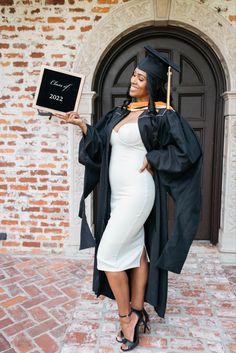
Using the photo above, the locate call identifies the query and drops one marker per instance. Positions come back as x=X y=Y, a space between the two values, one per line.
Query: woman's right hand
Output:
x=75 y=119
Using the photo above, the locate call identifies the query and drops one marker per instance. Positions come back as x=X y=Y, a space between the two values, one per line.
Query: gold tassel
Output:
x=169 y=73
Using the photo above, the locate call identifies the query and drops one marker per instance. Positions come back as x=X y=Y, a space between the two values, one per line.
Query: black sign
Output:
x=58 y=91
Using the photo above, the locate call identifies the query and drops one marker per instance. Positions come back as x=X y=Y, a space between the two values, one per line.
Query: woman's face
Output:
x=138 y=88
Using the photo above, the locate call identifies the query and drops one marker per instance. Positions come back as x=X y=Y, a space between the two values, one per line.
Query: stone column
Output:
x=227 y=234
x=76 y=175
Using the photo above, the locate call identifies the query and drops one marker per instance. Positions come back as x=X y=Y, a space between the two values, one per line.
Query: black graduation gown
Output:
x=175 y=155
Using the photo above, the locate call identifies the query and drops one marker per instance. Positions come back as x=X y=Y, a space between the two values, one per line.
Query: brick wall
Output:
x=34 y=188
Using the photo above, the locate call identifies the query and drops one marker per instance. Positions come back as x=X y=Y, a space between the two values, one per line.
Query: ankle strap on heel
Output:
x=138 y=312
x=128 y=315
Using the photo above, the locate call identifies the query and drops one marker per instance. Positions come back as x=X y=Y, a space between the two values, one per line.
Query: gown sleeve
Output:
x=90 y=155
x=178 y=161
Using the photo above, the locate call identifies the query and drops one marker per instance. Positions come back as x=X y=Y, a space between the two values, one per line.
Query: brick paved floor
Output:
x=46 y=305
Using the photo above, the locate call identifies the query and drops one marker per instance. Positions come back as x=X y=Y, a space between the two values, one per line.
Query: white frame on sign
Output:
x=69 y=73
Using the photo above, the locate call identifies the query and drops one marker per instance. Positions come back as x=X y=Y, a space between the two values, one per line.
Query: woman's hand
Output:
x=146 y=165
x=75 y=119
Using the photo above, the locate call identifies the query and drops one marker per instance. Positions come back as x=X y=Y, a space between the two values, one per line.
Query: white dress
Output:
x=132 y=198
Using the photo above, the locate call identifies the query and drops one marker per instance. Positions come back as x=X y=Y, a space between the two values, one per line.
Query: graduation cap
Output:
x=156 y=66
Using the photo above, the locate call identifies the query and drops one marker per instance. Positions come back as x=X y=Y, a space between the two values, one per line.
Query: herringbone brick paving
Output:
x=46 y=305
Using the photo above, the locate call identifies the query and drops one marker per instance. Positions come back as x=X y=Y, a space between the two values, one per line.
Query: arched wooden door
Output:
x=196 y=93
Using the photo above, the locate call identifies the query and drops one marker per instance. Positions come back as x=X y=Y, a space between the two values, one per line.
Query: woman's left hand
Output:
x=146 y=165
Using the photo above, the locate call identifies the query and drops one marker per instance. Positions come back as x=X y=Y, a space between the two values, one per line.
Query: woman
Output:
x=137 y=152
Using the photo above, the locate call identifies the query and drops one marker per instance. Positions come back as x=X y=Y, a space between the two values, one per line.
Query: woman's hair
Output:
x=128 y=99
x=158 y=92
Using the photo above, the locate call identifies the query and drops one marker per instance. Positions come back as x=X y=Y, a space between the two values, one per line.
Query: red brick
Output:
x=5 y=322
x=9 y=222
x=5 y=63
x=47 y=344
x=4 y=344
x=52 y=291
x=7 y=164
x=54 y=302
x=32 y=244
x=228 y=324
x=19 y=45
x=17 y=313
x=47 y=28
x=39 y=314
x=36 y=230
x=86 y=28
x=47 y=165
x=79 y=18
x=31 y=209
x=49 y=150
x=28 y=180
x=34 y=19
x=232 y=17
x=17 y=128
x=23 y=343
x=18 y=327
x=199 y=311
x=60 y=188
x=57 y=37
x=7 y=28
x=26 y=28
x=53 y=230
x=76 y=9
x=13 y=301
x=54 y=2
x=43 y=327
x=148 y=341
x=20 y=63
x=19 y=187
x=51 y=209
x=59 y=331
x=97 y=18
x=186 y=344
x=60 y=63
x=39 y=172
x=31 y=290
x=3 y=187
x=2 y=312
x=100 y=9
x=6 y=150
x=3 y=297
x=13 y=55
x=71 y=292
x=55 y=20
x=35 y=301
x=4 y=46
x=80 y=338
x=11 y=243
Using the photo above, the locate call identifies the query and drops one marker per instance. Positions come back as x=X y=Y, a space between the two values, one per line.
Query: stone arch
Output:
x=209 y=25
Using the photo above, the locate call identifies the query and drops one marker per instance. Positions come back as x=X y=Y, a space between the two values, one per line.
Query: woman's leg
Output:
x=139 y=277
x=119 y=284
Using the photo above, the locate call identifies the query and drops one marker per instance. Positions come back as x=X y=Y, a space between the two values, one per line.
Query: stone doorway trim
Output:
x=217 y=33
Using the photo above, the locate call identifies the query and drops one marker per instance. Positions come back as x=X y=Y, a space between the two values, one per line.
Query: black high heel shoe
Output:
x=144 y=324
x=144 y=321
x=132 y=344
